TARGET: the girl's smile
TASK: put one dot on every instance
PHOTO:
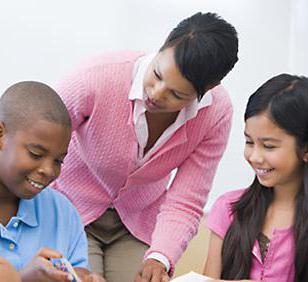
(272, 153)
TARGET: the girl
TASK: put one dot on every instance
(260, 233)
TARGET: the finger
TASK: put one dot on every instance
(156, 275)
(48, 253)
(146, 275)
(138, 277)
(58, 275)
(165, 278)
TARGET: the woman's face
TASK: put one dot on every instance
(165, 88)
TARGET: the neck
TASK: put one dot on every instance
(284, 195)
(8, 200)
(163, 117)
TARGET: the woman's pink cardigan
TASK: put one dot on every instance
(100, 170)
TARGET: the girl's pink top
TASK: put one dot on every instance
(278, 265)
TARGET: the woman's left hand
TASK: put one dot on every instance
(152, 271)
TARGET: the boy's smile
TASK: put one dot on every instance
(31, 158)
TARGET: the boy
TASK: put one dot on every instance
(36, 223)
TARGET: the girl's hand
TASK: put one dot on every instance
(40, 269)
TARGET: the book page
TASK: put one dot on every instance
(192, 277)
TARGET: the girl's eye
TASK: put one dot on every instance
(35, 155)
(268, 146)
(248, 142)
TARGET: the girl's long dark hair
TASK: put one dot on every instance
(285, 99)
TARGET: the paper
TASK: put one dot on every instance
(192, 277)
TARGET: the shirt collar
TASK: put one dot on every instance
(27, 212)
(137, 93)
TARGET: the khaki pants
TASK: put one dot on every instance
(113, 252)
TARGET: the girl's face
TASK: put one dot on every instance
(165, 88)
(272, 153)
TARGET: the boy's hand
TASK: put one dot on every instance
(7, 272)
(93, 277)
(40, 269)
(87, 276)
(152, 270)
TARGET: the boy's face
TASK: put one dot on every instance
(31, 158)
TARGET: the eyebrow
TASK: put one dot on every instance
(264, 139)
(37, 146)
(41, 148)
(156, 69)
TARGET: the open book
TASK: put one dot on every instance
(192, 277)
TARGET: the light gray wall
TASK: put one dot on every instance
(42, 40)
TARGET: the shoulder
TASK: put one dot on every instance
(219, 113)
(112, 58)
(53, 201)
(221, 101)
(231, 196)
(220, 216)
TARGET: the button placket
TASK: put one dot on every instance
(11, 246)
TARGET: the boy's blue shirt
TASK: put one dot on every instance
(47, 220)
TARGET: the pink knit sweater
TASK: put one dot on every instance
(99, 171)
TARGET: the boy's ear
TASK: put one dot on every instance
(2, 132)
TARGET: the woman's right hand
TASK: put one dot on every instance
(40, 269)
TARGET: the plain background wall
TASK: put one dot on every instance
(43, 40)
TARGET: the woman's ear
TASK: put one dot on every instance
(305, 157)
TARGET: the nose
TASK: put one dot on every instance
(158, 92)
(48, 170)
(255, 156)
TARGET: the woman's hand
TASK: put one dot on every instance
(40, 269)
(152, 270)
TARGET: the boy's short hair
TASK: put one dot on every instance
(206, 48)
(26, 101)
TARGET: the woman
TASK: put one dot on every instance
(136, 118)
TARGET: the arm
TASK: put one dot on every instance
(182, 210)
(213, 263)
